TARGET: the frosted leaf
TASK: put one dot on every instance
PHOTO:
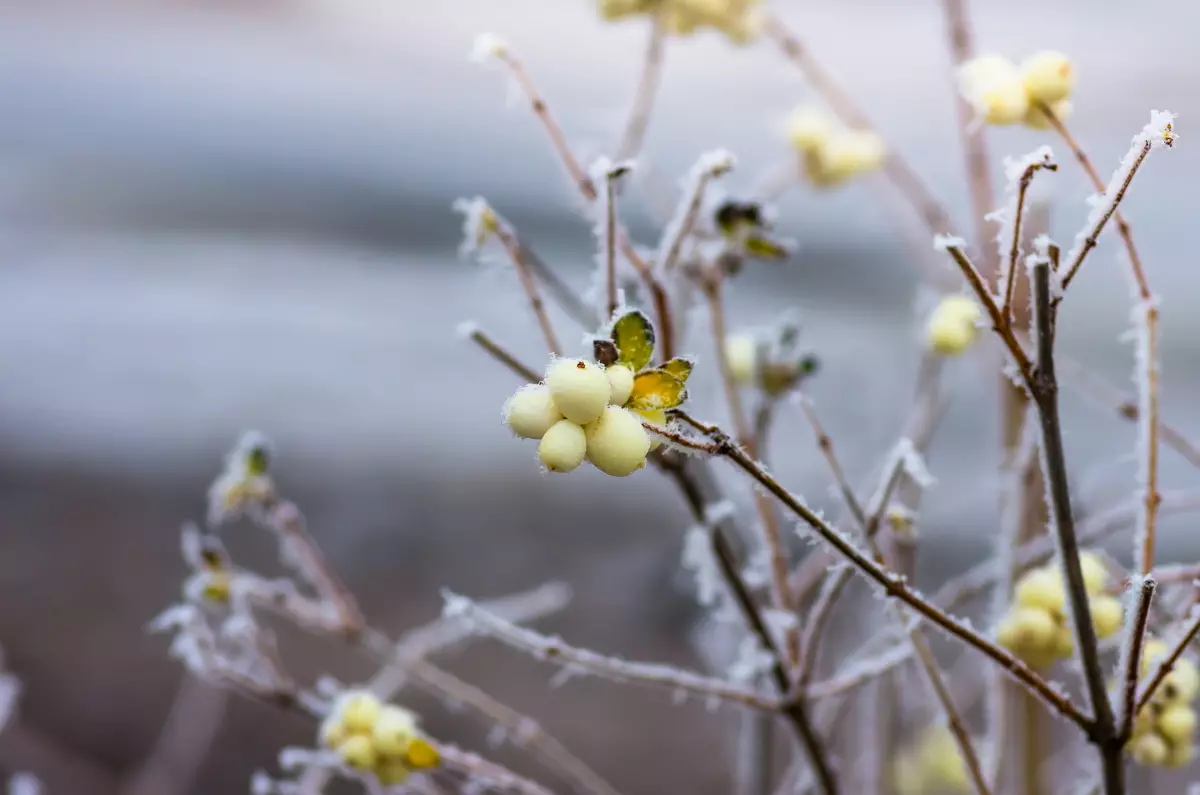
(488, 46)
(24, 784)
(946, 242)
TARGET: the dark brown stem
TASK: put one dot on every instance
(1133, 658)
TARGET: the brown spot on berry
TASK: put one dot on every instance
(581, 365)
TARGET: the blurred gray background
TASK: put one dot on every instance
(233, 214)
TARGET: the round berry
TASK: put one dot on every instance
(993, 86)
(1048, 76)
(358, 752)
(851, 153)
(332, 732)
(358, 711)
(1181, 755)
(620, 382)
(809, 128)
(952, 325)
(1177, 723)
(1040, 588)
(1149, 749)
(393, 731)
(1107, 615)
(1029, 628)
(617, 443)
(562, 447)
(1095, 573)
(530, 412)
(579, 388)
(741, 353)
(1183, 682)
(392, 772)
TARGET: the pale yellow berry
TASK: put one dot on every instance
(1177, 723)
(851, 153)
(908, 776)
(741, 352)
(393, 731)
(620, 382)
(617, 443)
(993, 86)
(422, 754)
(1144, 721)
(1048, 76)
(1064, 642)
(358, 752)
(562, 447)
(1182, 684)
(654, 417)
(1154, 651)
(1107, 615)
(952, 325)
(1027, 629)
(530, 412)
(1037, 119)
(579, 388)
(1095, 573)
(809, 128)
(1040, 588)
(358, 710)
(943, 762)
(1180, 755)
(332, 731)
(1149, 750)
(391, 772)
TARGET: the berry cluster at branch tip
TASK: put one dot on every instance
(373, 737)
(1035, 628)
(1164, 731)
(953, 325)
(1002, 93)
(594, 410)
(934, 765)
(738, 20)
(830, 153)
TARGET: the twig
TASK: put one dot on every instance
(517, 254)
(1146, 374)
(1131, 654)
(1023, 174)
(825, 445)
(575, 659)
(855, 675)
(183, 742)
(1164, 668)
(647, 89)
(897, 588)
(1044, 387)
(610, 243)
(500, 354)
(476, 767)
(709, 167)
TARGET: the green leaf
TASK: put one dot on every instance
(634, 337)
(679, 367)
(656, 389)
(766, 249)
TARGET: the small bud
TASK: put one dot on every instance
(952, 325)
(394, 729)
(562, 447)
(809, 128)
(1177, 724)
(530, 412)
(358, 709)
(620, 382)
(617, 443)
(1048, 76)
(1149, 750)
(1107, 615)
(358, 752)
(579, 388)
(741, 351)
(1040, 588)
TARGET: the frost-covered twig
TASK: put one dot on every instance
(707, 168)
(1131, 656)
(1020, 175)
(584, 661)
(498, 352)
(1146, 377)
(647, 89)
(476, 768)
(1160, 131)
(825, 445)
(857, 673)
(517, 255)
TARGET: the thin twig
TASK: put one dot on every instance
(1168, 663)
(1034, 163)
(709, 167)
(517, 254)
(825, 445)
(500, 354)
(1131, 654)
(647, 89)
(610, 243)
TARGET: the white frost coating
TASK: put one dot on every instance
(719, 512)
(753, 660)
(24, 784)
(1006, 217)
(466, 329)
(947, 242)
(1158, 133)
(914, 464)
(10, 691)
(698, 559)
(708, 167)
(1145, 371)
(476, 227)
(488, 46)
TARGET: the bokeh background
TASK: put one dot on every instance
(236, 214)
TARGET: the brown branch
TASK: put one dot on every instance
(500, 354)
(1132, 654)
(517, 254)
(647, 89)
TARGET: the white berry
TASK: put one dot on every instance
(617, 443)
(1048, 76)
(530, 412)
(562, 447)
(620, 382)
(579, 388)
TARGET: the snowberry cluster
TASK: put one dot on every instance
(935, 764)
(1164, 732)
(1035, 627)
(734, 18)
(594, 410)
(771, 360)
(953, 325)
(378, 738)
(1003, 93)
(832, 154)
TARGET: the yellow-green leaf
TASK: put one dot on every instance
(656, 389)
(634, 337)
(762, 247)
(679, 367)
